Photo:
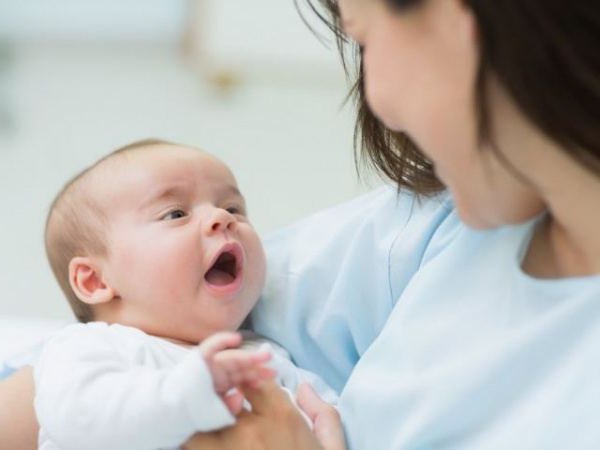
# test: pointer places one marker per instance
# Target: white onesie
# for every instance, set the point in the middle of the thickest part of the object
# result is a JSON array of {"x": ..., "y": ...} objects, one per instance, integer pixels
[{"x": 101, "y": 386}]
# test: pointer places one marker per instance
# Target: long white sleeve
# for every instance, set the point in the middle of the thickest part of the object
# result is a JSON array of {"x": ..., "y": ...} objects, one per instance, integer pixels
[{"x": 92, "y": 393}]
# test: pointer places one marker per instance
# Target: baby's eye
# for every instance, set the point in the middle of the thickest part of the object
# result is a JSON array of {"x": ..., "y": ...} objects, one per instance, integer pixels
[
  {"x": 174, "y": 214},
  {"x": 235, "y": 210}
]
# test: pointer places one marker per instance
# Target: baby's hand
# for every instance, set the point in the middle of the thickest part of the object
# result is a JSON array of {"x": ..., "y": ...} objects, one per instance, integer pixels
[{"x": 231, "y": 366}]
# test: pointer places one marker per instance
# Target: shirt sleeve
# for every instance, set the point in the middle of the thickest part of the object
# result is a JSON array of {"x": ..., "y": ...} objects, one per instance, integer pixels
[
  {"x": 87, "y": 396},
  {"x": 334, "y": 277},
  {"x": 290, "y": 376}
]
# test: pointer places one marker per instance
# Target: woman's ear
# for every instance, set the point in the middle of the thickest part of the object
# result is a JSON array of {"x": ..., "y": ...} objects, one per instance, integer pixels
[{"x": 86, "y": 281}]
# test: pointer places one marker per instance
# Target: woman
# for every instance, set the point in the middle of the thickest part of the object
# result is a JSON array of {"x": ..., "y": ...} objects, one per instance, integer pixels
[
  {"x": 468, "y": 321},
  {"x": 491, "y": 341}
]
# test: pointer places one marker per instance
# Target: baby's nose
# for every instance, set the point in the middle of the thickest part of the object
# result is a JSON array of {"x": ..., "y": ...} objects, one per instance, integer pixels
[{"x": 220, "y": 220}]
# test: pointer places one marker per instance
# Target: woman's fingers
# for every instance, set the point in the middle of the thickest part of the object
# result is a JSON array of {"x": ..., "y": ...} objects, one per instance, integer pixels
[
  {"x": 309, "y": 401},
  {"x": 234, "y": 401},
  {"x": 327, "y": 425},
  {"x": 273, "y": 424},
  {"x": 266, "y": 396}
]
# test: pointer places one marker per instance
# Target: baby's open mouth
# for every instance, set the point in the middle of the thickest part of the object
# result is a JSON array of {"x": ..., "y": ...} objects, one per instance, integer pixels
[{"x": 224, "y": 271}]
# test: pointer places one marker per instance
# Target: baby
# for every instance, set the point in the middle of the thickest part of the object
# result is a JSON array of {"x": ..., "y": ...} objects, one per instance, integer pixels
[{"x": 153, "y": 248}]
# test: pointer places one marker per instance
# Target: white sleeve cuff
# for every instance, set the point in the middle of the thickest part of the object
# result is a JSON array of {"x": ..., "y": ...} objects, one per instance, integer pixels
[{"x": 192, "y": 383}]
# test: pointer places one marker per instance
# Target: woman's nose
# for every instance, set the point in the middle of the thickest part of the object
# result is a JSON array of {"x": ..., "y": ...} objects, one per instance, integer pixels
[{"x": 219, "y": 220}]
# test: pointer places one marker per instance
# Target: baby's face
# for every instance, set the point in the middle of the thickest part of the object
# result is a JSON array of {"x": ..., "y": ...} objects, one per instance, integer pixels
[{"x": 183, "y": 259}]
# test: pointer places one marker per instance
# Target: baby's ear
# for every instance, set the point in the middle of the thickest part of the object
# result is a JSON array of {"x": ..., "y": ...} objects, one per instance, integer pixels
[{"x": 86, "y": 281}]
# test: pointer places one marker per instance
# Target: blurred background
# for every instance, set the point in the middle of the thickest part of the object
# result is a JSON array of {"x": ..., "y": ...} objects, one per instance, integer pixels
[{"x": 244, "y": 80}]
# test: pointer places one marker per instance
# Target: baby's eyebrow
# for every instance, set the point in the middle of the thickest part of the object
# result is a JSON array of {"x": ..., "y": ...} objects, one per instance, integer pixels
[
  {"x": 161, "y": 194},
  {"x": 230, "y": 189}
]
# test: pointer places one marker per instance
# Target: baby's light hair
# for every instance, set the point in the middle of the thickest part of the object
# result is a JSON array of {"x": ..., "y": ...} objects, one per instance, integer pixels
[{"x": 76, "y": 225}]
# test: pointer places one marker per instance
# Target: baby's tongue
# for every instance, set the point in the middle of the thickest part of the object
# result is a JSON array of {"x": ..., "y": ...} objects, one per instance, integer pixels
[{"x": 219, "y": 277}]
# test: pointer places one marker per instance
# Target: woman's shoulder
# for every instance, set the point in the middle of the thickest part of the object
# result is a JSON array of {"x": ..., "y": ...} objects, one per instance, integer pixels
[
  {"x": 379, "y": 215},
  {"x": 376, "y": 240}
]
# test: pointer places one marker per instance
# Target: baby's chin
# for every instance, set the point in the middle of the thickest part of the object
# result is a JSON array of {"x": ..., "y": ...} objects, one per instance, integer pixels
[
  {"x": 188, "y": 342},
  {"x": 208, "y": 316},
  {"x": 195, "y": 336}
]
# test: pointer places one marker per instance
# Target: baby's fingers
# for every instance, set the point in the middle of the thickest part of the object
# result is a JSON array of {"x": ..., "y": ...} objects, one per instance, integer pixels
[
  {"x": 219, "y": 342},
  {"x": 253, "y": 376},
  {"x": 237, "y": 360},
  {"x": 242, "y": 366},
  {"x": 261, "y": 374}
]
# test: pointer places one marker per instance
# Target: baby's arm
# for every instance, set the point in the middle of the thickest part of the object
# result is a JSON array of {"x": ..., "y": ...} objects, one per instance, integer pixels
[{"x": 87, "y": 396}]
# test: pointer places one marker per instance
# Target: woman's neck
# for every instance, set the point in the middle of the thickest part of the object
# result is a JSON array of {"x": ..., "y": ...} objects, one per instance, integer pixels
[
  {"x": 553, "y": 253},
  {"x": 567, "y": 242}
]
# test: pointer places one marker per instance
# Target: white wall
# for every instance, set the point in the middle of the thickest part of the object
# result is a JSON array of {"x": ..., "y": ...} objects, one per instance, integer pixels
[
  {"x": 262, "y": 34},
  {"x": 289, "y": 143},
  {"x": 92, "y": 20}
]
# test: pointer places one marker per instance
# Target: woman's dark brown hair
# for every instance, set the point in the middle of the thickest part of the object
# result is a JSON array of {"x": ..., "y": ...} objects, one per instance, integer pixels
[{"x": 546, "y": 53}]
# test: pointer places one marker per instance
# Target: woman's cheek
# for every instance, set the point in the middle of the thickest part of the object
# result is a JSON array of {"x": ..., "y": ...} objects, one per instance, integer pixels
[
  {"x": 374, "y": 95},
  {"x": 380, "y": 93}
]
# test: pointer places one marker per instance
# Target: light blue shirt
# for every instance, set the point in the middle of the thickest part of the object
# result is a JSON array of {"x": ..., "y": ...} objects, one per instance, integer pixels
[{"x": 432, "y": 333}]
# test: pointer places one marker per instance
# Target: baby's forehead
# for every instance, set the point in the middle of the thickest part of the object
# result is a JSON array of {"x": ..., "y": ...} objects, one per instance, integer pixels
[
  {"x": 142, "y": 168},
  {"x": 169, "y": 153}
]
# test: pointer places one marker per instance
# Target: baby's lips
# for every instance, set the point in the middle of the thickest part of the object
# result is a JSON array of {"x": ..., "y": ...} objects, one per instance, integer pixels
[{"x": 232, "y": 247}]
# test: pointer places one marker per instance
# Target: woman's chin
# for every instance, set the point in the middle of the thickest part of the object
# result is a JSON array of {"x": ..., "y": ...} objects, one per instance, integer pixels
[{"x": 475, "y": 217}]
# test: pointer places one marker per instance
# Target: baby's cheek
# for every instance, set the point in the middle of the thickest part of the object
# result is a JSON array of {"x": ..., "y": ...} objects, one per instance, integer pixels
[{"x": 257, "y": 260}]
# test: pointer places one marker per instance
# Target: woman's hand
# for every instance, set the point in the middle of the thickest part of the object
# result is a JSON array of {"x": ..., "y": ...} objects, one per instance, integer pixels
[
  {"x": 275, "y": 423},
  {"x": 327, "y": 425},
  {"x": 18, "y": 425}
]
